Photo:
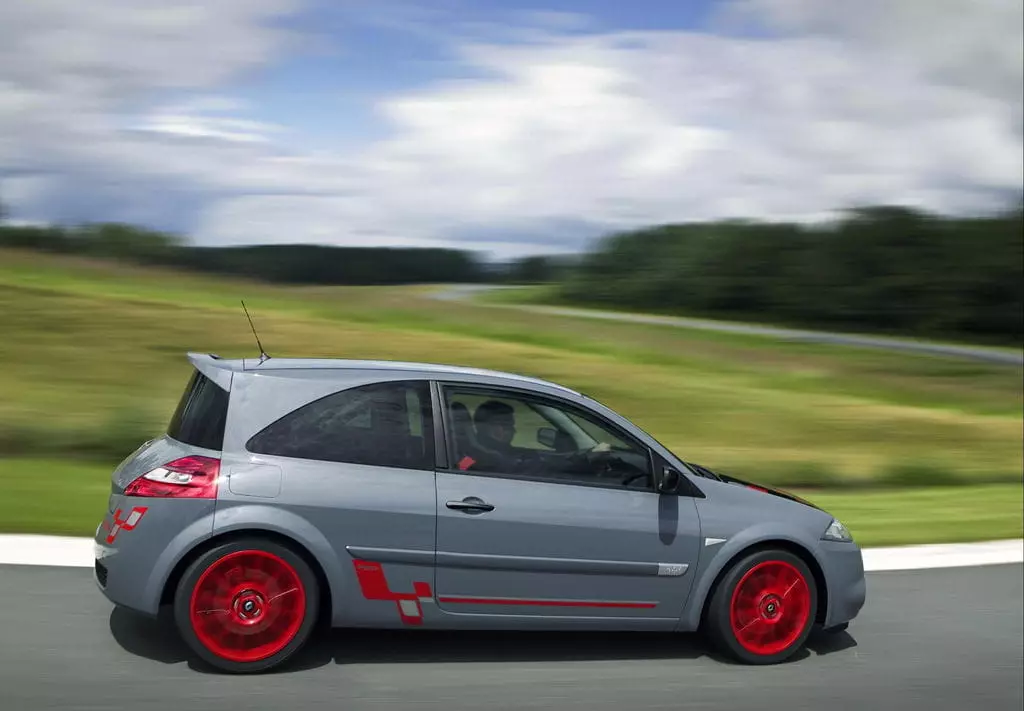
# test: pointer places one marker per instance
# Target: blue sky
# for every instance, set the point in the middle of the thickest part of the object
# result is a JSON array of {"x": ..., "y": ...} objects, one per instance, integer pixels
[
  {"x": 503, "y": 126},
  {"x": 360, "y": 52}
]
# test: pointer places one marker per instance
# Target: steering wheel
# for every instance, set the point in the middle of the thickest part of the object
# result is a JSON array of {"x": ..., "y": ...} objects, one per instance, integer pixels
[
  {"x": 612, "y": 462},
  {"x": 590, "y": 461},
  {"x": 638, "y": 474},
  {"x": 604, "y": 462}
]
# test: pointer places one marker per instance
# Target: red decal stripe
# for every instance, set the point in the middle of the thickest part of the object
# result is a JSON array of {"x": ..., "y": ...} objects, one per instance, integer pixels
[
  {"x": 545, "y": 603},
  {"x": 372, "y": 581},
  {"x": 374, "y": 585},
  {"x": 128, "y": 523}
]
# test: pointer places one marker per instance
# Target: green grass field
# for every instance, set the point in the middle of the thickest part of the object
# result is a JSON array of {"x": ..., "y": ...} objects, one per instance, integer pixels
[{"x": 906, "y": 447}]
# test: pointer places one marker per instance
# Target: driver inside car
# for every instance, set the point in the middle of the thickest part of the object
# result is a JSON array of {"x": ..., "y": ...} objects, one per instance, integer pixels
[{"x": 495, "y": 426}]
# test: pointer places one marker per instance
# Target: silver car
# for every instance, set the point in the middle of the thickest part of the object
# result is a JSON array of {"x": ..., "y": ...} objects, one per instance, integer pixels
[{"x": 288, "y": 492}]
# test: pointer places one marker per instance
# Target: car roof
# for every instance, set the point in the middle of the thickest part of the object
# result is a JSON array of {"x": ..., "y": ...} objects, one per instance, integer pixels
[{"x": 209, "y": 362}]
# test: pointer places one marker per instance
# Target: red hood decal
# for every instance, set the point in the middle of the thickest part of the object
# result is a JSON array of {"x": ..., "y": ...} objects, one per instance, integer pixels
[{"x": 781, "y": 493}]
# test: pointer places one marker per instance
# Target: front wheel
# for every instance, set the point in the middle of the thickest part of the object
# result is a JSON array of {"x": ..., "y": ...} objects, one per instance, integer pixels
[
  {"x": 246, "y": 605},
  {"x": 763, "y": 609}
]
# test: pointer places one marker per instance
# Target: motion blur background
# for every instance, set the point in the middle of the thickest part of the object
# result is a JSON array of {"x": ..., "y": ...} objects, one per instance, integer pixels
[{"x": 349, "y": 167}]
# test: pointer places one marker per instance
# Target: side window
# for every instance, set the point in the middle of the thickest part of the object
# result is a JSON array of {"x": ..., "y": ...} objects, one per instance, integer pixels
[
  {"x": 383, "y": 424},
  {"x": 494, "y": 431}
]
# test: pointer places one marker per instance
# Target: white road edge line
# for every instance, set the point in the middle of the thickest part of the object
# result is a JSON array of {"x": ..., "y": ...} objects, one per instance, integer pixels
[
  {"x": 72, "y": 552},
  {"x": 944, "y": 555}
]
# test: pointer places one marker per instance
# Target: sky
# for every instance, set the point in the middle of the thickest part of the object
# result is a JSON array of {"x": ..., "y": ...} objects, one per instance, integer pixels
[{"x": 506, "y": 127}]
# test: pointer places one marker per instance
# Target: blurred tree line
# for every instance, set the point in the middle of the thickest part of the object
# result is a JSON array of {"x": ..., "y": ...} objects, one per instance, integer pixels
[
  {"x": 284, "y": 263},
  {"x": 537, "y": 269},
  {"x": 292, "y": 264},
  {"x": 882, "y": 269}
]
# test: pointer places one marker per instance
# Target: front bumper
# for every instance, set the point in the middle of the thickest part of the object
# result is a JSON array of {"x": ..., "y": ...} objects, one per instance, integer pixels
[{"x": 847, "y": 587}]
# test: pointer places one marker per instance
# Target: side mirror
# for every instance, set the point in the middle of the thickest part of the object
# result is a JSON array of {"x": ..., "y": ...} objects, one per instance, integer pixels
[
  {"x": 667, "y": 480},
  {"x": 547, "y": 436}
]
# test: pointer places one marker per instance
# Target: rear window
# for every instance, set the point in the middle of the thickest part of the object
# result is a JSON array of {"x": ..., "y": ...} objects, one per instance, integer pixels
[{"x": 201, "y": 413}]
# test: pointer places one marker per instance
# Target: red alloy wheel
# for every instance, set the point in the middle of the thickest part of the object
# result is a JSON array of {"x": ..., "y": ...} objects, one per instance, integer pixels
[
  {"x": 770, "y": 607},
  {"x": 247, "y": 606}
]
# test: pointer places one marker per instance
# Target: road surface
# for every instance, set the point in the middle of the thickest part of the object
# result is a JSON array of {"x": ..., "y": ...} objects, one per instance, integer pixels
[
  {"x": 977, "y": 353},
  {"x": 926, "y": 640}
]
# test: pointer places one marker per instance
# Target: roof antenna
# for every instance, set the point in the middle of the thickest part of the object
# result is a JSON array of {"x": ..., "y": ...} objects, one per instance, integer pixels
[{"x": 263, "y": 353}]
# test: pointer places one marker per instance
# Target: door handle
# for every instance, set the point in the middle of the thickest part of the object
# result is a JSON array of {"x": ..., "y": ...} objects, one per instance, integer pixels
[{"x": 470, "y": 504}]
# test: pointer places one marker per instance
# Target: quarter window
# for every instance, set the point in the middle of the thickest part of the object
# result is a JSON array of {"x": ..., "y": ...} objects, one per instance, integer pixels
[
  {"x": 201, "y": 414},
  {"x": 383, "y": 424},
  {"x": 499, "y": 432}
]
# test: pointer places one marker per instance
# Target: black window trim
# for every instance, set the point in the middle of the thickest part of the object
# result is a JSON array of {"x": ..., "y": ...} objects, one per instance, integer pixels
[
  {"x": 440, "y": 422},
  {"x": 427, "y": 465},
  {"x": 511, "y": 390}
]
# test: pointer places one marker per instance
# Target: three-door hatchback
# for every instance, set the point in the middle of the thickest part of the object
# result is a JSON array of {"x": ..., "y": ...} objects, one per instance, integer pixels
[{"x": 380, "y": 494}]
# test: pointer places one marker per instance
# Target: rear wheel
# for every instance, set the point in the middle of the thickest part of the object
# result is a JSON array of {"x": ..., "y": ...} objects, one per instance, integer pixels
[
  {"x": 247, "y": 605},
  {"x": 764, "y": 607}
]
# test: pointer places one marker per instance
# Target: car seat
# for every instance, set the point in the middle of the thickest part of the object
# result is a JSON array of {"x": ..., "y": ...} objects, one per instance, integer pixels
[{"x": 466, "y": 445}]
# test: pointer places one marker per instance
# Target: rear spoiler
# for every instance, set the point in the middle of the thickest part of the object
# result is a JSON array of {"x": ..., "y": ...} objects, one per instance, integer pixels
[{"x": 217, "y": 370}]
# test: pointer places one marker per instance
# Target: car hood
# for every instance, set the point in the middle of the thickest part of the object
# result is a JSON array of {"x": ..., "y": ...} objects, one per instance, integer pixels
[{"x": 756, "y": 487}]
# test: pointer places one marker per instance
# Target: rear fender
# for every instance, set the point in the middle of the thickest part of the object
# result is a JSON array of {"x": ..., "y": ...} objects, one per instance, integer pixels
[
  {"x": 187, "y": 539},
  {"x": 235, "y": 518}
]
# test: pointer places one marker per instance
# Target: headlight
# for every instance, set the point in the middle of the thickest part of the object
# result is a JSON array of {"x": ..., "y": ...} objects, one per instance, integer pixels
[{"x": 837, "y": 532}]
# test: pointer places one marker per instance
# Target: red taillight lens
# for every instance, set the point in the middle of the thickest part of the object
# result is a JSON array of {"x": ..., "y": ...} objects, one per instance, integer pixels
[{"x": 185, "y": 478}]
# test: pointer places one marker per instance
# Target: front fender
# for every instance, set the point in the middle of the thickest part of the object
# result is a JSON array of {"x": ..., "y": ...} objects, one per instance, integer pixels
[{"x": 715, "y": 558}]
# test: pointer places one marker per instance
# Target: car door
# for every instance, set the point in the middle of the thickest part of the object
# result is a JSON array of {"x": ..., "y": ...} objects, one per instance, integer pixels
[{"x": 554, "y": 533}]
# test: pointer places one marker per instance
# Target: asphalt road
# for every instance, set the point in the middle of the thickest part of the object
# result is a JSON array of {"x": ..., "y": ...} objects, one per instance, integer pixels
[
  {"x": 989, "y": 355},
  {"x": 930, "y": 639}
]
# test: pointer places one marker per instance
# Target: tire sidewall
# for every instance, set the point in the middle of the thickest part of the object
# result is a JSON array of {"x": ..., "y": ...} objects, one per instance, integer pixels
[
  {"x": 191, "y": 576},
  {"x": 718, "y": 620}
]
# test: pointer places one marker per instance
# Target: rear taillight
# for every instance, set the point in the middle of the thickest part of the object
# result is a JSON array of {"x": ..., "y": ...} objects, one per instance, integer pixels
[{"x": 186, "y": 478}]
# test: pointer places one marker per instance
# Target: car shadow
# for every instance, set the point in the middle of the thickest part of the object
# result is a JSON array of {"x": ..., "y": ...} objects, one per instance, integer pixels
[
  {"x": 471, "y": 647},
  {"x": 822, "y": 644},
  {"x": 156, "y": 639},
  {"x": 148, "y": 637}
]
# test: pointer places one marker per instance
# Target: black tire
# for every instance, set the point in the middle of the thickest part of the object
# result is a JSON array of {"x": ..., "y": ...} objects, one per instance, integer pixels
[
  {"x": 300, "y": 623},
  {"x": 802, "y": 605}
]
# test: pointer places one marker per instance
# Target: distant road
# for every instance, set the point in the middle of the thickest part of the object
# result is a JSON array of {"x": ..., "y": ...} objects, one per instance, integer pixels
[{"x": 465, "y": 292}]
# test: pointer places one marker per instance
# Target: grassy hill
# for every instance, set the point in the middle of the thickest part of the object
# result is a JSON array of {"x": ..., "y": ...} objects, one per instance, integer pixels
[{"x": 905, "y": 447}]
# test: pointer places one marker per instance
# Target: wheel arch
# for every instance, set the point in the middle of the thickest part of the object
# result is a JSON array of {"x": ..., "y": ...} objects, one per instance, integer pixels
[
  {"x": 170, "y": 584},
  {"x": 786, "y": 544}
]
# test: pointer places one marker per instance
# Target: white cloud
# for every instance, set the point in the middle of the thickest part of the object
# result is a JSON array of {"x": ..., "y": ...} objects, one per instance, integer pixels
[
  {"x": 633, "y": 128},
  {"x": 71, "y": 76},
  {"x": 114, "y": 47},
  {"x": 826, "y": 105},
  {"x": 193, "y": 120}
]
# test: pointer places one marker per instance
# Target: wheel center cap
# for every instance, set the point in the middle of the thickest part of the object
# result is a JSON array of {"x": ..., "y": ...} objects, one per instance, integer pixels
[
  {"x": 248, "y": 606},
  {"x": 771, "y": 607}
]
